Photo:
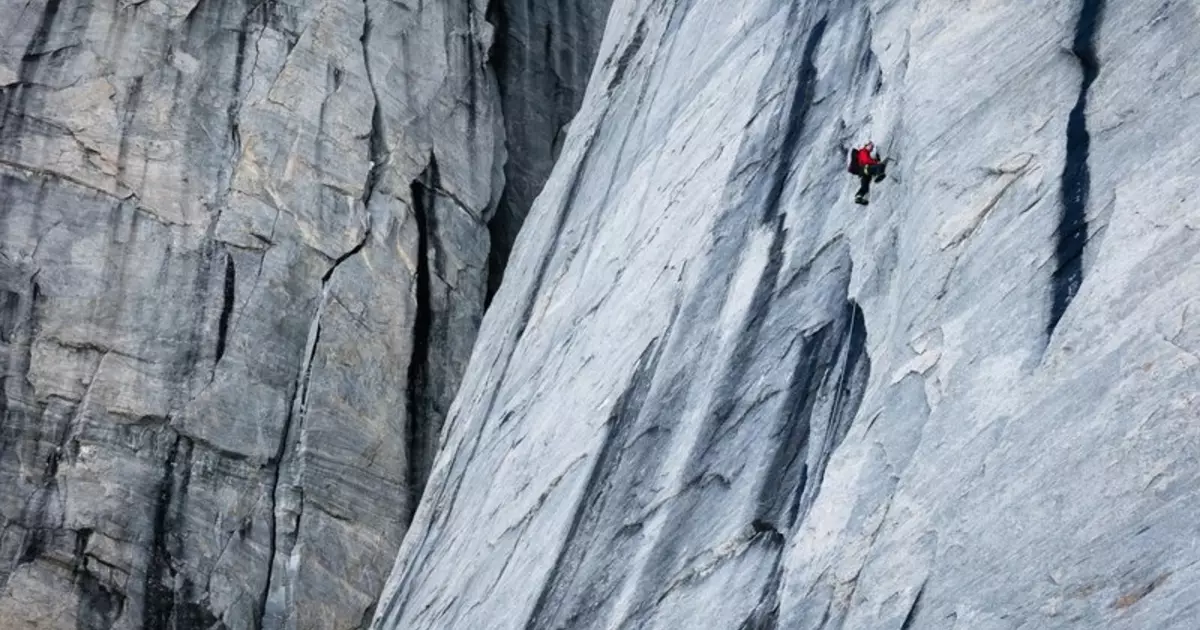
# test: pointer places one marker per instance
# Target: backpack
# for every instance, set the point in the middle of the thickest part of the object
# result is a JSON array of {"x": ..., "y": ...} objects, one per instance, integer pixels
[{"x": 854, "y": 168}]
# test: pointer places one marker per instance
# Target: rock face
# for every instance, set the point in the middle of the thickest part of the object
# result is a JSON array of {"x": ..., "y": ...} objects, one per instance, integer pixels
[
  {"x": 712, "y": 392},
  {"x": 243, "y": 257},
  {"x": 543, "y": 55}
]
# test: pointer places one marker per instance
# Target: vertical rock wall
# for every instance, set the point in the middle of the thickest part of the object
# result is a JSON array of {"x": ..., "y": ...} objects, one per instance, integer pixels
[{"x": 243, "y": 252}]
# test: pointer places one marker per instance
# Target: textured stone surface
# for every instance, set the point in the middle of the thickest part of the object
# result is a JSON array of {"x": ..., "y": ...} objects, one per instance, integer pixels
[
  {"x": 714, "y": 393},
  {"x": 543, "y": 55},
  {"x": 229, "y": 320}
]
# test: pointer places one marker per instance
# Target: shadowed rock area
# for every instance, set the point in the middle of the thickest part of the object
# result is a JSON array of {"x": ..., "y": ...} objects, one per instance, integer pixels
[
  {"x": 543, "y": 55},
  {"x": 712, "y": 392}
]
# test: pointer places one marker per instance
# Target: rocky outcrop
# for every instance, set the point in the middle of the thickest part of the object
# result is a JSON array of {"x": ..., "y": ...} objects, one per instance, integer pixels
[
  {"x": 243, "y": 257},
  {"x": 714, "y": 393}
]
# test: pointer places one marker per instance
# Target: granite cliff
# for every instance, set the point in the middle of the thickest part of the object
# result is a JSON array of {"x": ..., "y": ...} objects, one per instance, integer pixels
[
  {"x": 712, "y": 392},
  {"x": 246, "y": 249},
  {"x": 243, "y": 257}
]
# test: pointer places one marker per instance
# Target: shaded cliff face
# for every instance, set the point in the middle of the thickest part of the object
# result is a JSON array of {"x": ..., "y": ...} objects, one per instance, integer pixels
[
  {"x": 243, "y": 256},
  {"x": 712, "y": 392},
  {"x": 543, "y": 56}
]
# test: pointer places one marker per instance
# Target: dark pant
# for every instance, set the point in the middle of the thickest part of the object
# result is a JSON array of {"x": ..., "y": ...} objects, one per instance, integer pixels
[{"x": 869, "y": 172}]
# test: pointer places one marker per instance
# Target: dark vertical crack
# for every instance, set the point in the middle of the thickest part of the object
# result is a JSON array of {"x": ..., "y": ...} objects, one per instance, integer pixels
[
  {"x": 913, "y": 610},
  {"x": 226, "y": 305},
  {"x": 847, "y": 397},
  {"x": 421, "y": 435},
  {"x": 133, "y": 99},
  {"x": 99, "y": 606},
  {"x": 299, "y": 391},
  {"x": 377, "y": 146},
  {"x": 1072, "y": 233},
  {"x": 159, "y": 598},
  {"x": 791, "y": 481},
  {"x": 500, "y": 233},
  {"x": 233, "y": 111},
  {"x": 297, "y": 406},
  {"x": 295, "y": 415}
]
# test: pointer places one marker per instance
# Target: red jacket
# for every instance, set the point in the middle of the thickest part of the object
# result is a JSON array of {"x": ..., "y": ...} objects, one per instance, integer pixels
[{"x": 863, "y": 157}]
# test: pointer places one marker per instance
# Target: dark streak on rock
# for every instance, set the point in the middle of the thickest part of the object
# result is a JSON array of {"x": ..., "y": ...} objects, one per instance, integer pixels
[
  {"x": 36, "y": 59},
  {"x": 797, "y": 117},
  {"x": 913, "y": 610},
  {"x": 168, "y": 602},
  {"x": 377, "y": 147},
  {"x": 500, "y": 231},
  {"x": 227, "y": 305},
  {"x": 790, "y": 486},
  {"x": 593, "y": 501},
  {"x": 627, "y": 55},
  {"x": 421, "y": 436},
  {"x": 133, "y": 99},
  {"x": 1072, "y": 232},
  {"x": 541, "y": 56},
  {"x": 99, "y": 606},
  {"x": 847, "y": 396}
]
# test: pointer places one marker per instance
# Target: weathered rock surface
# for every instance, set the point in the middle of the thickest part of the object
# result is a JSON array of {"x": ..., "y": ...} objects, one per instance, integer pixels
[
  {"x": 714, "y": 393},
  {"x": 543, "y": 56},
  {"x": 243, "y": 256}
]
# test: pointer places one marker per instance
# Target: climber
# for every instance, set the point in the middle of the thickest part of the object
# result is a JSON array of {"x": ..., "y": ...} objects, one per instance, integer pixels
[{"x": 867, "y": 165}]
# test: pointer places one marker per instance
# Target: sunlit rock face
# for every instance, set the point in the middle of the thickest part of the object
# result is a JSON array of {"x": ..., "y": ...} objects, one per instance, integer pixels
[{"x": 713, "y": 392}]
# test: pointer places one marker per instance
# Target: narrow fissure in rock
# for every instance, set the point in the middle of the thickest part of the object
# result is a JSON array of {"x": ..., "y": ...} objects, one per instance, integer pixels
[
  {"x": 794, "y": 479},
  {"x": 295, "y": 415},
  {"x": 911, "y": 618},
  {"x": 226, "y": 305},
  {"x": 422, "y": 435},
  {"x": 499, "y": 226},
  {"x": 1072, "y": 234}
]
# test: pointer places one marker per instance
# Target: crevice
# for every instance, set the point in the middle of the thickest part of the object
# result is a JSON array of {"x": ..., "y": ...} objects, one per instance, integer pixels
[
  {"x": 133, "y": 100},
  {"x": 295, "y": 410},
  {"x": 99, "y": 606},
  {"x": 160, "y": 597},
  {"x": 499, "y": 252},
  {"x": 913, "y": 610},
  {"x": 294, "y": 416},
  {"x": 836, "y": 350},
  {"x": 500, "y": 233},
  {"x": 226, "y": 305},
  {"x": 1072, "y": 233},
  {"x": 377, "y": 146},
  {"x": 358, "y": 247},
  {"x": 421, "y": 435}
]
